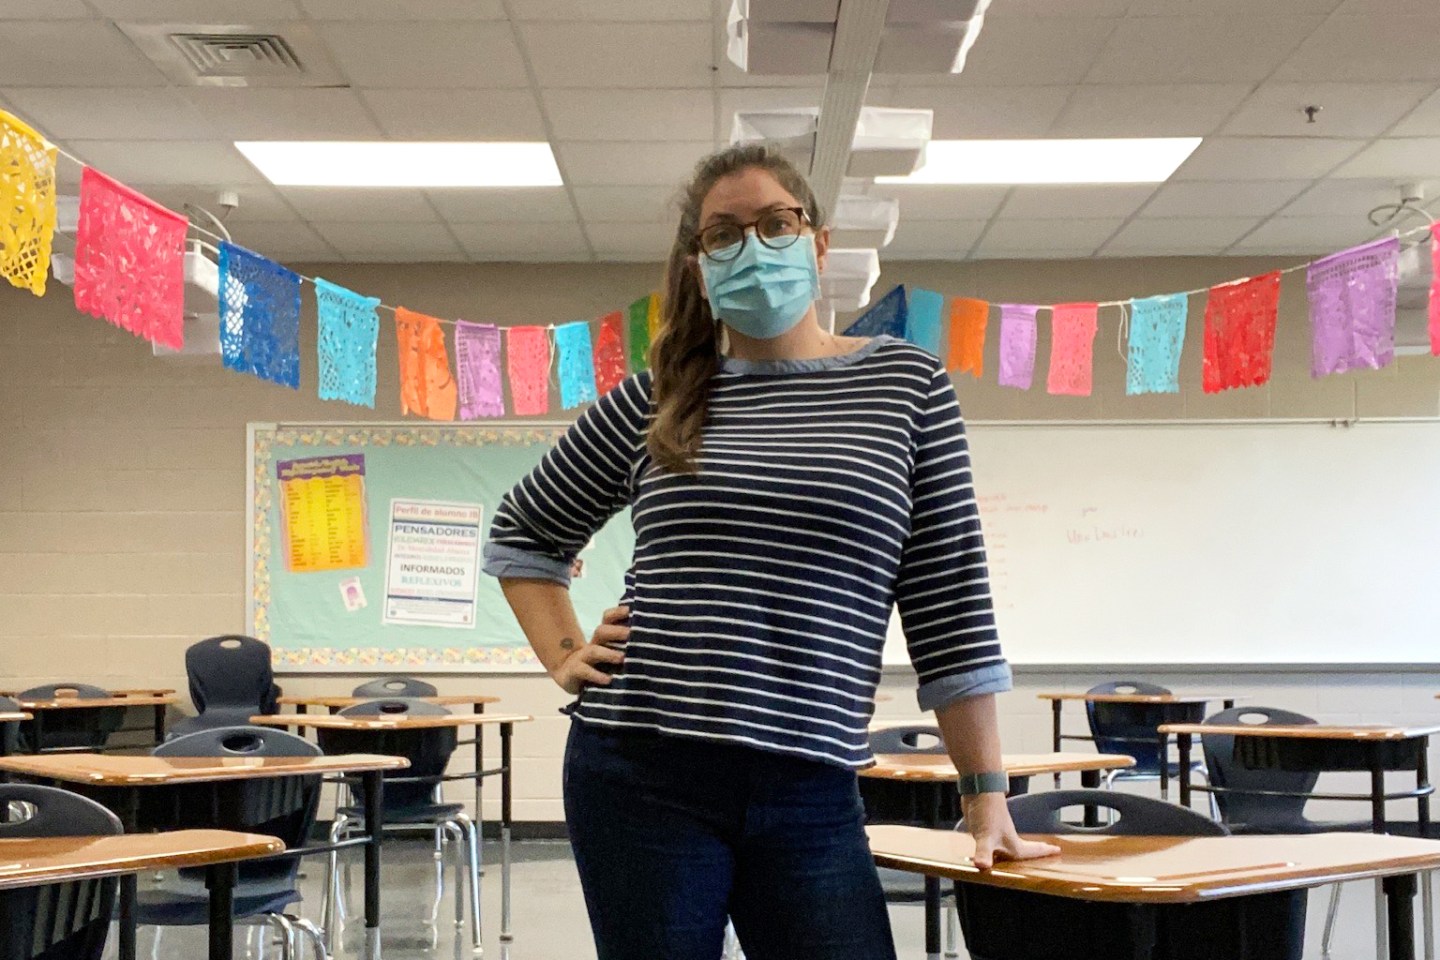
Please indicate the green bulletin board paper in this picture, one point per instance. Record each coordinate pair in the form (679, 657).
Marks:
(304, 616)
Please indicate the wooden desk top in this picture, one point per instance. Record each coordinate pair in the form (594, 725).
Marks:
(1303, 731)
(134, 692)
(12, 717)
(114, 770)
(75, 703)
(1137, 697)
(937, 766)
(30, 862)
(1161, 869)
(417, 722)
(340, 703)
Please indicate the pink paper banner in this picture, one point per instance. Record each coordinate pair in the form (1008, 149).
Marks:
(1072, 348)
(477, 368)
(1017, 344)
(1435, 290)
(528, 359)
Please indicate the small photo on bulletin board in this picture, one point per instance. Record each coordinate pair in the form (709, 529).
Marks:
(366, 540)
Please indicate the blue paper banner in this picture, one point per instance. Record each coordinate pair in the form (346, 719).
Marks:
(922, 319)
(1157, 334)
(349, 327)
(259, 316)
(886, 317)
(577, 364)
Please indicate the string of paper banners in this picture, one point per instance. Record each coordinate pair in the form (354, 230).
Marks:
(130, 271)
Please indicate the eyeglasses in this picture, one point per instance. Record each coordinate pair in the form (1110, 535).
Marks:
(776, 229)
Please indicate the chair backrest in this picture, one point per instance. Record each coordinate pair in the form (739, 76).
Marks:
(428, 750)
(231, 672)
(8, 744)
(72, 729)
(1130, 729)
(282, 807)
(914, 738)
(60, 691)
(58, 921)
(1255, 812)
(1135, 815)
(395, 687)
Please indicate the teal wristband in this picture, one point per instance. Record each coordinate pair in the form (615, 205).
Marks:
(996, 781)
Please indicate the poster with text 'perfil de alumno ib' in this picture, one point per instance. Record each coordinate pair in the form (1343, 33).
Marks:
(433, 567)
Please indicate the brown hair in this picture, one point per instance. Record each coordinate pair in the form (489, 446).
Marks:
(686, 353)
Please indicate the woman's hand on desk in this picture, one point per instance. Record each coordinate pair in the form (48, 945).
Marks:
(988, 820)
(583, 665)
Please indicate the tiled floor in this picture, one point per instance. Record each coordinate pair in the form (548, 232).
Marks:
(549, 915)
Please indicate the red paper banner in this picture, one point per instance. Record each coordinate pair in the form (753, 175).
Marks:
(610, 353)
(1240, 333)
(528, 360)
(1072, 348)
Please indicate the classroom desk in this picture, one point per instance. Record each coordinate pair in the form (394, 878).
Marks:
(381, 722)
(122, 699)
(1152, 872)
(302, 705)
(10, 721)
(1174, 708)
(33, 862)
(933, 774)
(117, 781)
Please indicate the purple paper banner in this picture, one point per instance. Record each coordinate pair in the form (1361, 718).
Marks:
(1017, 344)
(1352, 307)
(477, 370)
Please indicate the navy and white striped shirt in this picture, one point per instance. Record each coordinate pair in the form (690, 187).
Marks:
(828, 491)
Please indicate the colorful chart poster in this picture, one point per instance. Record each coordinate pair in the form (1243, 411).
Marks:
(322, 510)
(433, 570)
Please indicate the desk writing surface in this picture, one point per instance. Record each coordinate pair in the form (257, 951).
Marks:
(76, 703)
(114, 770)
(1128, 869)
(1304, 731)
(1137, 697)
(419, 721)
(13, 717)
(341, 702)
(33, 861)
(937, 766)
(128, 692)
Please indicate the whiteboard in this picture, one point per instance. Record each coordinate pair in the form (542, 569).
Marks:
(1238, 543)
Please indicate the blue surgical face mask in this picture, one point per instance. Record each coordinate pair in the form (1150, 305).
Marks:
(763, 293)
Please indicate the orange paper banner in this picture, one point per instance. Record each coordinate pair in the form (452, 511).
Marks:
(968, 318)
(427, 388)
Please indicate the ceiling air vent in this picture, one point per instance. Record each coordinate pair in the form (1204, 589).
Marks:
(287, 54)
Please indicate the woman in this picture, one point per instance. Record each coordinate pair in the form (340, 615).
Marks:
(785, 493)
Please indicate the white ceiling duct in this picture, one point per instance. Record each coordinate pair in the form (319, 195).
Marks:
(864, 221)
(888, 142)
(848, 277)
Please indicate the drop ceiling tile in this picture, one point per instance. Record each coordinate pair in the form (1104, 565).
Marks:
(273, 113)
(338, 205)
(1344, 198)
(1150, 8)
(286, 241)
(1423, 121)
(1368, 48)
(733, 99)
(1349, 109)
(1404, 158)
(456, 115)
(168, 161)
(578, 114)
(943, 203)
(933, 239)
(1057, 8)
(630, 164)
(59, 53)
(398, 242)
(1306, 235)
(1387, 7)
(630, 241)
(140, 113)
(445, 56)
(731, 77)
(599, 54)
(45, 10)
(1148, 110)
(986, 252)
(213, 11)
(1049, 234)
(1047, 50)
(523, 241)
(649, 205)
(1002, 111)
(629, 10)
(258, 202)
(1265, 158)
(1214, 49)
(1049, 202)
(1163, 236)
(1252, 198)
(513, 205)
(408, 10)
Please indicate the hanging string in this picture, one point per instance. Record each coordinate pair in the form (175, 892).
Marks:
(1122, 332)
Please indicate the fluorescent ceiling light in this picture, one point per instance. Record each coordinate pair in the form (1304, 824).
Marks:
(312, 163)
(1134, 160)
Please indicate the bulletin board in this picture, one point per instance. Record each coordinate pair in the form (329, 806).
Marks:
(364, 546)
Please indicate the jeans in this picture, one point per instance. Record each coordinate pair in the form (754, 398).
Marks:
(672, 835)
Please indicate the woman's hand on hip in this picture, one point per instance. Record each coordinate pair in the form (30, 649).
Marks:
(582, 666)
(987, 818)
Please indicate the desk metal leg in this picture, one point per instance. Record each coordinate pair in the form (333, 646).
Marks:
(37, 731)
(1400, 915)
(1182, 741)
(932, 884)
(1055, 733)
(1164, 766)
(220, 878)
(1090, 780)
(160, 709)
(129, 887)
(479, 770)
(506, 763)
(1377, 795)
(373, 788)
(1228, 703)
(1427, 879)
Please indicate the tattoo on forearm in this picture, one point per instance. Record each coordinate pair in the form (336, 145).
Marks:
(566, 643)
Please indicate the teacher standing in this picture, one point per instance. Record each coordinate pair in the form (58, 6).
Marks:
(788, 486)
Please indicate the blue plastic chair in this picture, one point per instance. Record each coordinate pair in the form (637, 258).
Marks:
(1001, 924)
(395, 687)
(282, 807)
(57, 921)
(71, 729)
(1132, 730)
(231, 680)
